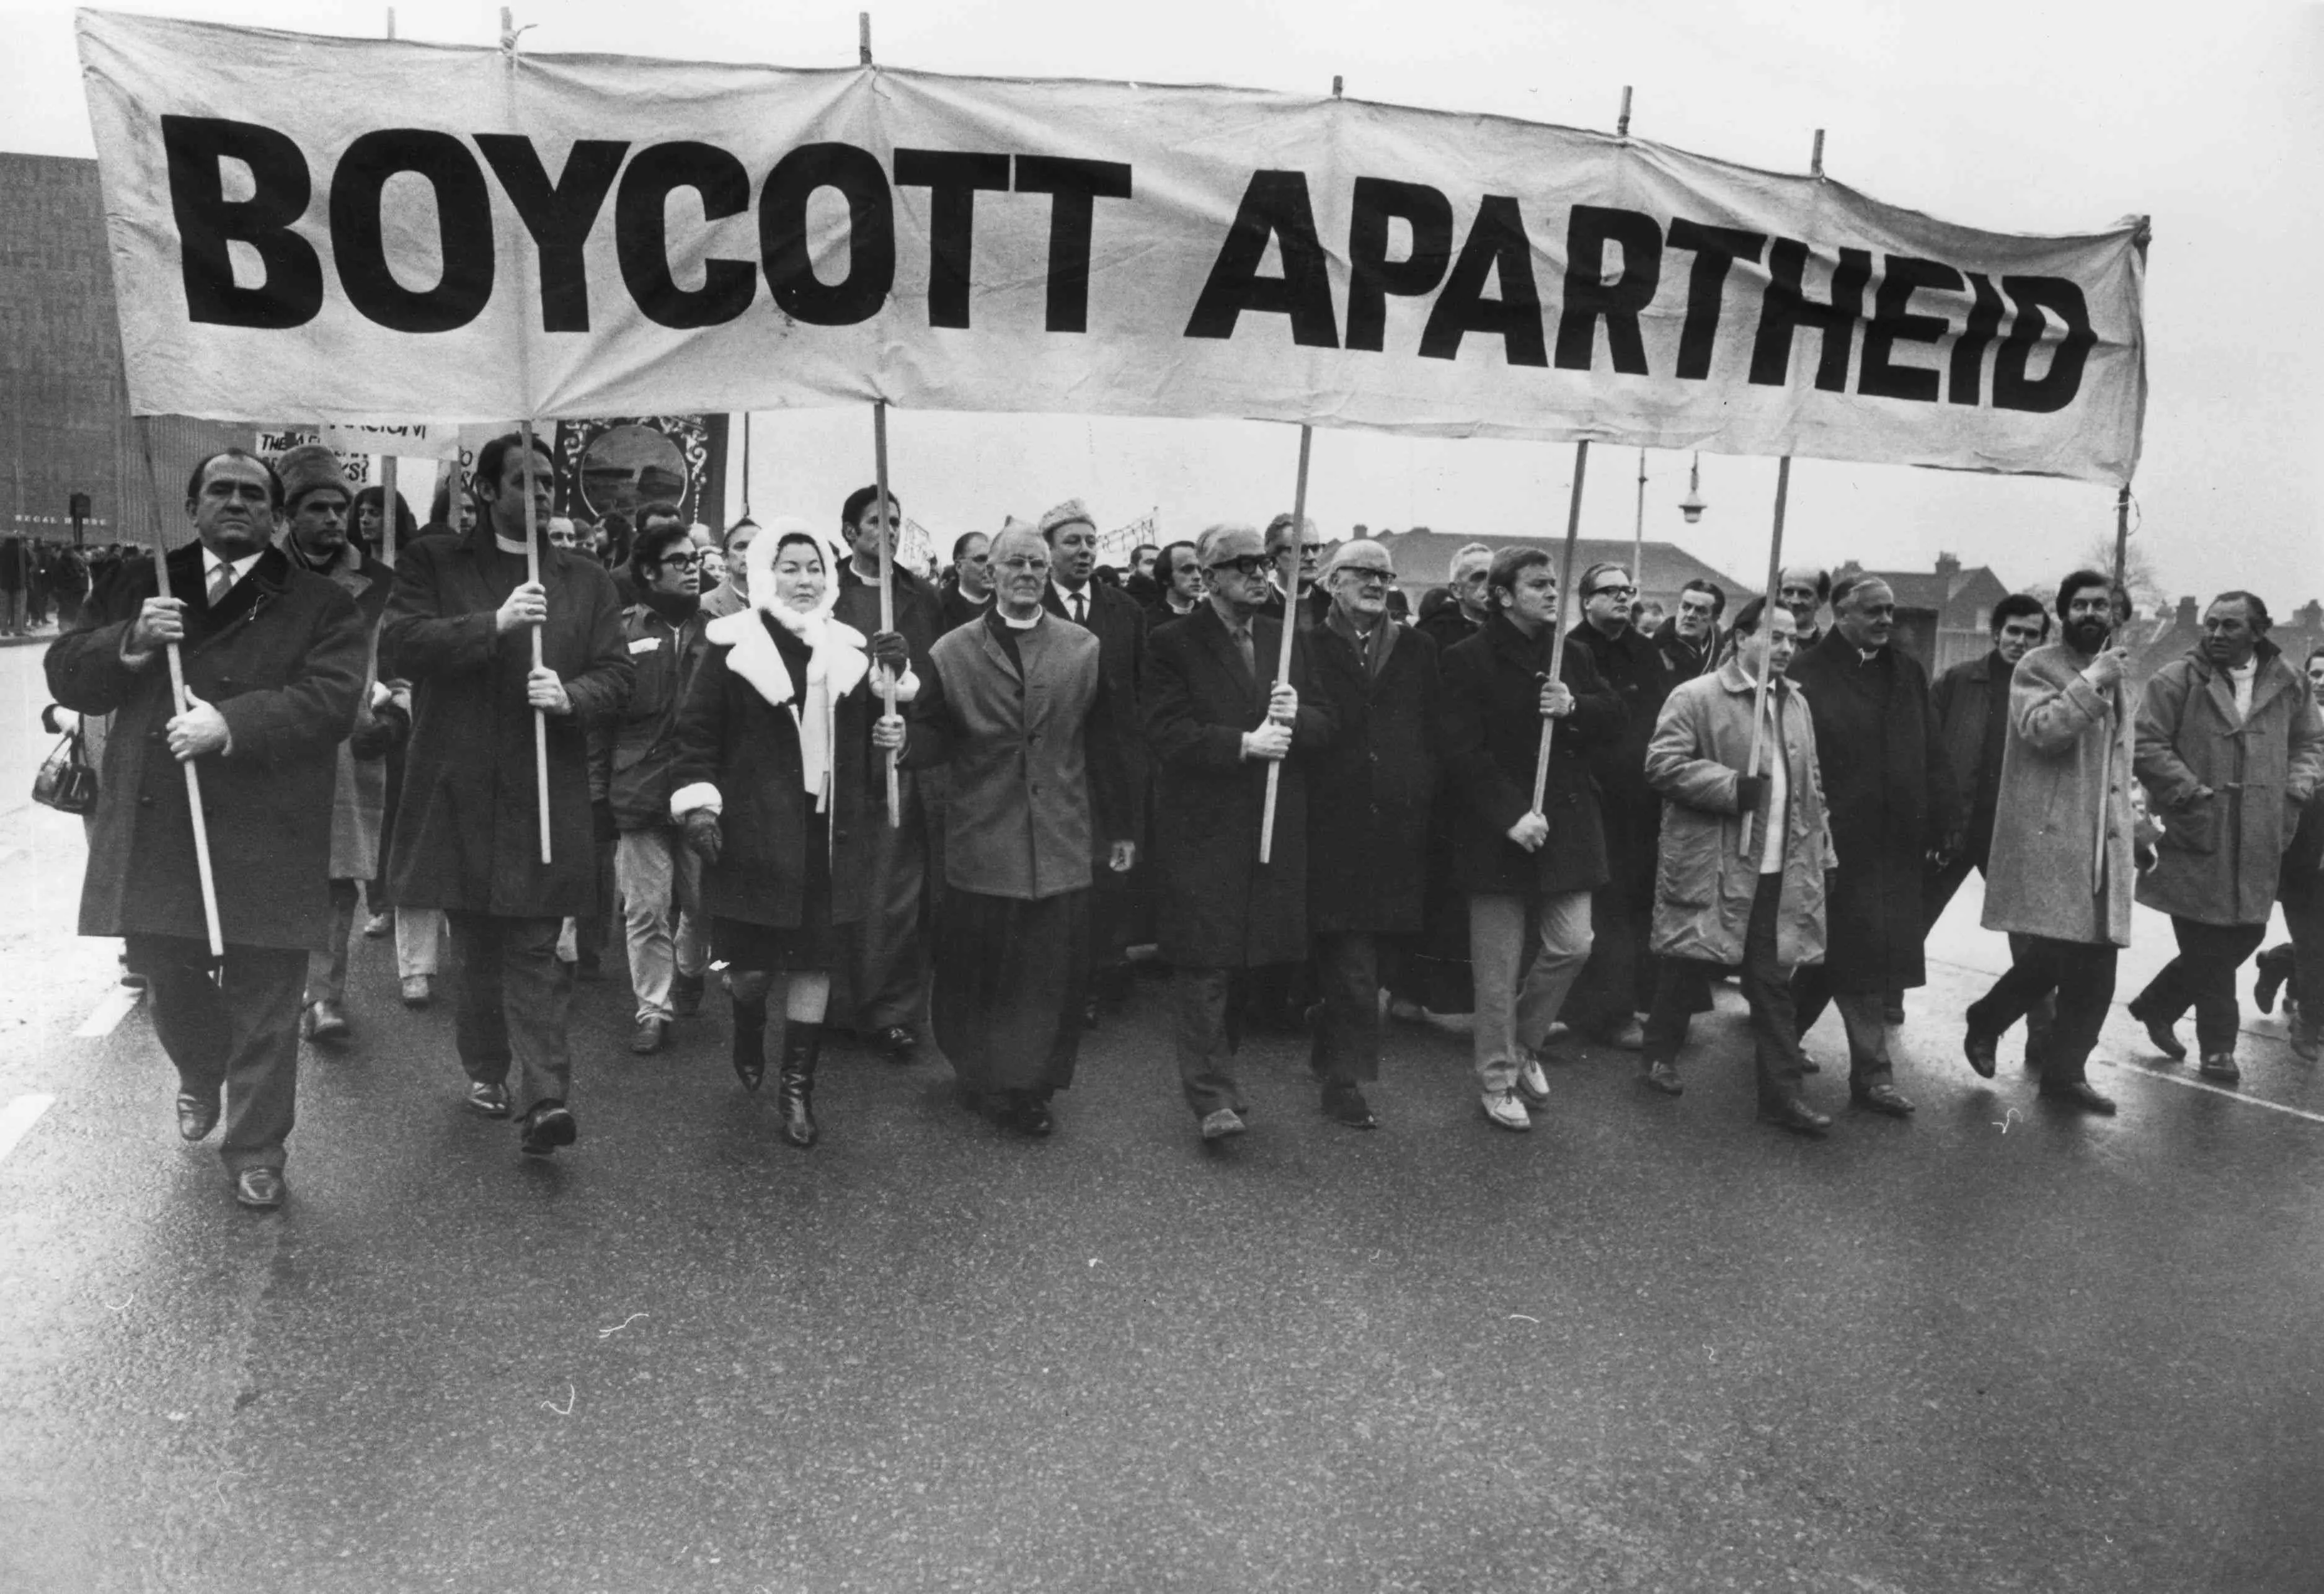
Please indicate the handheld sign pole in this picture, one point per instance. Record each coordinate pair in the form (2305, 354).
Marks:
(1564, 601)
(533, 574)
(387, 502)
(887, 584)
(1638, 530)
(1774, 581)
(1290, 630)
(2114, 732)
(178, 702)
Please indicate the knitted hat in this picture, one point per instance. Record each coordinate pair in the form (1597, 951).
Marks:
(306, 467)
(1065, 514)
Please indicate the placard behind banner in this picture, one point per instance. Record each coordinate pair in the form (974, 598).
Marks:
(622, 463)
(364, 230)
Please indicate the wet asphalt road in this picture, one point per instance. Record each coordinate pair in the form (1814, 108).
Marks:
(1652, 1345)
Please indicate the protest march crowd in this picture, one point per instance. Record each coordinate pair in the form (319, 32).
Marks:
(972, 821)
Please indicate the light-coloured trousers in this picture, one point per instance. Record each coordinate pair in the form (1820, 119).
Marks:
(1517, 1004)
(659, 879)
(419, 941)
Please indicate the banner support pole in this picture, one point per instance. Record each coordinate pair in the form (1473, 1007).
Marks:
(2114, 633)
(1290, 631)
(533, 574)
(1565, 603)
(202, 868)
(887, 571)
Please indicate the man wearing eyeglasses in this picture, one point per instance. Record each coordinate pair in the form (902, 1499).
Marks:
(1888, 787)
(1305, 553)
(631, 755)
(1216, 718)
(1368, 812)
(1618, 984)
(969, 594)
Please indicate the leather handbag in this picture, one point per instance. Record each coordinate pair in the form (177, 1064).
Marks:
(67, 781)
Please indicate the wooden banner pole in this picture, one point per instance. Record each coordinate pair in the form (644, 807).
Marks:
(1290, 631)
(1775, 584)
(1564, 608)
(2114, 633)
(887, 584)
(202, 869)
(533, 574)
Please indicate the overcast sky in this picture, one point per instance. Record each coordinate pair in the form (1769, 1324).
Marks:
(2026, 116)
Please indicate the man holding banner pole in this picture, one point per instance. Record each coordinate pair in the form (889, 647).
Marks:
(461, 625)
(274, 662)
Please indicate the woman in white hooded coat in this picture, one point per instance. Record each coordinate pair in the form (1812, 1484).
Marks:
(778, 784)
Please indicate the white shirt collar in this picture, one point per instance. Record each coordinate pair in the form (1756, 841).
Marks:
(1066, 598)
(239, 567)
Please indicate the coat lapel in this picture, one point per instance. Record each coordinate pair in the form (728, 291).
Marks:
(1214, 632)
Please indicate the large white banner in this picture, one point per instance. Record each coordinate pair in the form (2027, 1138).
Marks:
(366, 231)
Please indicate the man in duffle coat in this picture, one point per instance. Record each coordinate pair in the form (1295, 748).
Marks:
(1215, 718)
(1716, 905)
(2058, 866)
(315, 501)
(467, 831)
(274, 662)
(1891, 795)
(2230, 747)
(1021, 712)
(1369, 799)
(1527, 875)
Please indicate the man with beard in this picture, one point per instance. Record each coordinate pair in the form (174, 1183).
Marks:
(2230, 747)
(1618, 984)
(631, 753)
(1120, 628)
(1892, 802)
(1019, 709)
(315, 499)
(274, 663)
(971, 593)
(1689, 645)
(1215, 718)
(2059, 857)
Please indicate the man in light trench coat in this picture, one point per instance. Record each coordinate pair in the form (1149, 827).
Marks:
(1715, 903)
(2059, 875)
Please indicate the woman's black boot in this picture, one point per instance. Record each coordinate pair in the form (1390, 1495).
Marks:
(795, 1086)
(750, 1042)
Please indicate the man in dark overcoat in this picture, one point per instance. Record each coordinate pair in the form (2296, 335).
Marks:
(1890, 791)
(467, 831)
(274, 663)
(1020, 712)
(1527, 872)
(1120, 628)
(1618, 984)
(1215, 718)
(881, 985)
(1369, 799)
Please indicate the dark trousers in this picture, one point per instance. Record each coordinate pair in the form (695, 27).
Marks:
(240, 1035)
(1774, 1031)
(510, 998)
(1348, 1031)
(1619, 981)
(881, 981)
(326, 971)
(2079, 975)
(1198, 999)
(1938, 886)
(2303, 914)
(2201, 976)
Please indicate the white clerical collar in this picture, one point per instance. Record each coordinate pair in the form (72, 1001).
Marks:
(508, 544)
(1015, 624)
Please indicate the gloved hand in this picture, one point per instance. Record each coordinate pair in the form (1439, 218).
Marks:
(1750, 792)
(887, 648)
(385, 732)
(703, 835)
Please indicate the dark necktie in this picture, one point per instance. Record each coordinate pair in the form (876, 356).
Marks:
(1080, 609)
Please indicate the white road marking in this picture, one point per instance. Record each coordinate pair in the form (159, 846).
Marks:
(2156, 1073)
(18, 1118)
(109, 1011)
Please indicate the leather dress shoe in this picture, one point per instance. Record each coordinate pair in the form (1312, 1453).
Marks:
(196, 1118)
(490, 1100)
(1808, 1064)
(1664, 1077)
(1883, 1098)
(1797, 1117)
(1979, 1048)
(2082, 1094)
(2164, 1038)
(2272, 976)
(326, 1020)
(547, 1127)
(2220, 1067)
(260, 1189)
(1345, 1103)
(1223, 1123)
(685, 994)
(1030, 1114)
(648, 1036)
(896, 1042)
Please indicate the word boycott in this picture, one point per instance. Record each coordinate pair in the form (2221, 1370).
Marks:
(1401, 242)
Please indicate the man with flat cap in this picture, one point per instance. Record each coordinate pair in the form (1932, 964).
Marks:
(1215, 718)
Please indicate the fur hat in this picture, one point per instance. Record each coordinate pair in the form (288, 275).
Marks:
(306, 467)
(1065, 514)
